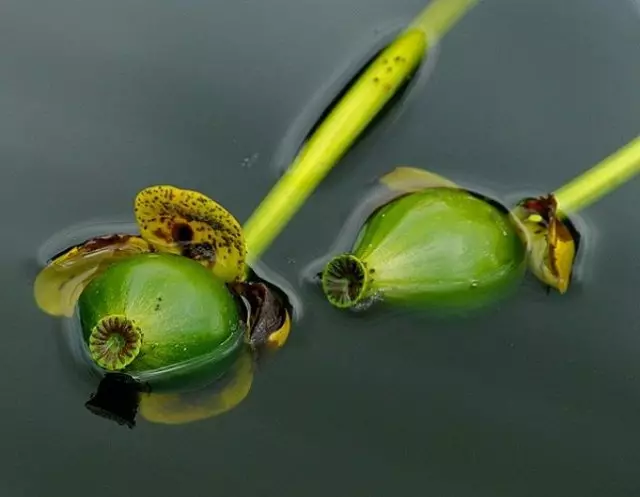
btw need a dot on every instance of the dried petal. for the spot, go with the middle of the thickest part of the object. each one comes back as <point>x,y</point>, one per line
<point>58,286</point>
<point>188,223</point>
<point>551,243</point>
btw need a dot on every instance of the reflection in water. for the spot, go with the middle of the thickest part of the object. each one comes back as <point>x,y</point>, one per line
<point>206,402</point>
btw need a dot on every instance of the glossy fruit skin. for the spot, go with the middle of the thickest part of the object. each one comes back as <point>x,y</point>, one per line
<point>441,246</point>
<point>190,321</point>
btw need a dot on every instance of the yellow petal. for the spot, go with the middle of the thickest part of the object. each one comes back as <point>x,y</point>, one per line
<point>188,223</point>
<point>406,179</point>
<point>278,338</point>
<point>58,286</point>
<point>562,252</point>
<point>207,402</point>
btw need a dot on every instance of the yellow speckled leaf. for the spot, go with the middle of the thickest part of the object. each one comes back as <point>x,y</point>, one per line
<point>405,179</point>
<point>552,248</point>
<point>58,286</point>
<point>213,400</point>
<point>188,223</point>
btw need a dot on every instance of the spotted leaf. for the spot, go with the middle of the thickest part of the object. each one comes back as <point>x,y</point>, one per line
<point>188,223</point>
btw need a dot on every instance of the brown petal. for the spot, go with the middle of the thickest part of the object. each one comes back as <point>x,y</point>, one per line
<point>269,320</point>
<point>552,247</point>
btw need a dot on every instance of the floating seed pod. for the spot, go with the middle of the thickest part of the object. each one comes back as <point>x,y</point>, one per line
<point>432,244</point>
<point>166,315</point>
<point>171,326</point>
<point>155,315</point>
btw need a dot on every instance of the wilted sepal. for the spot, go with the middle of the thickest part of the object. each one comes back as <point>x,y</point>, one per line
<point>59,285</point>
<point>552,248</point>
<point>188,223</point>
<point>407,179</point>
<point>269,317</point>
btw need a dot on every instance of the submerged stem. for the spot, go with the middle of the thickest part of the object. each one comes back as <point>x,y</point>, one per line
<point>346,281</point>
<point>604,177</point>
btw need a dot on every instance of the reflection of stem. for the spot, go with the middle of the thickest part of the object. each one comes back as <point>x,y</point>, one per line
<point>609,174</point>
<point>345,123</point>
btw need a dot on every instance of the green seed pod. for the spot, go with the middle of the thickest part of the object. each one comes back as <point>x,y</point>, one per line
<point>438,245</point>
<point>160,318</point>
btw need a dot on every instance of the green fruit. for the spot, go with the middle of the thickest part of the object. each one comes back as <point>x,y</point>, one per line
<point>160,318</point>
<point>440,246</point>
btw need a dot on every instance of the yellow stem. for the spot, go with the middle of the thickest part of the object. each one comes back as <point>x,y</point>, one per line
<point>440,16</point>
<point>589,187</point>
<point>346,122</point>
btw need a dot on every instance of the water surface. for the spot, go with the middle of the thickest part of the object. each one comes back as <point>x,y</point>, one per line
<point>540,397</point>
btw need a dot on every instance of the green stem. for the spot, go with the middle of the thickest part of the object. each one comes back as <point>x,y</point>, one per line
<point>353,113</point>
<point>612,172</point>
<point>437,18</point>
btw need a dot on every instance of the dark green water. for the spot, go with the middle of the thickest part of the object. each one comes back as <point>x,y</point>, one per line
<point>540,397</point>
